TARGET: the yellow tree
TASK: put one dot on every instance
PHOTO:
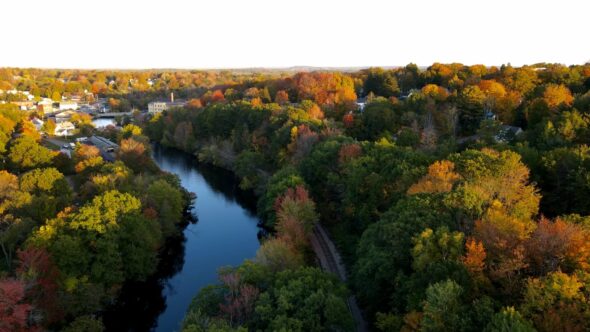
(440, 178)
(557, 95)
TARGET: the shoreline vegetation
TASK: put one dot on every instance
(456, 195)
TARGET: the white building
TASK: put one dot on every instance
(46, 106)
(65, 128)
(38, 124)
(64, 116)
(160, 106)
(68, 105)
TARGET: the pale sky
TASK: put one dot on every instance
(275, 33)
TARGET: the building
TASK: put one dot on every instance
(64, 116)
(107, 148)
(64, 129)
(38, 124)
(26, 94)
(45, 105)
(159, 106)
(24, 105)
(103, 143)
(507, 133)
(68, 105)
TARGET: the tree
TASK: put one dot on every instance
(135, 155)
(436, 246)
(87, 158)
(312, 109)
(25, 153)
(474, 259)
(557, 95)
(48, 180)
(6, 128)
(380, 82)
(37, 269)
(564, 172)
(440, 178)
(491, 176)
(504, 239)
(277, 185)
(349, 152)
(14, 311)
(168, 202)
(435, 92)
(509, 320)
(278, 255)
(27, 129)
(558, 245)
(56, 96)
(384, 252)
(239, 301)
(443, 307)
(217, 96)
(49, 127)
(471, 103)
(85, 324)
(296, 204)
(378, 119)
(556, 301)
(130, 130)
(305, 299)
(282, 97)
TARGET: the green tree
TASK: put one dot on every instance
(509, 320)
(382, 83)
(168, 202)
(27, 154)
(443, 307)
(436, 246)
(85, 324)
(306, 299)
(471, 104)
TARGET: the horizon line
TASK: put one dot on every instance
(278, 68)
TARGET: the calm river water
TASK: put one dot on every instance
(223, 231)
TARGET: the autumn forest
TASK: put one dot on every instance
(453, 197)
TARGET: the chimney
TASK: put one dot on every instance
(171, 97)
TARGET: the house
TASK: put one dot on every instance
(507, 133)
(46, 106)
(68, 105)
(24, 105)
(38, 124)
(26, 94)
(64, 129)
(64, 116)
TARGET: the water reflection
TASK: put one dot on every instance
(226, 233)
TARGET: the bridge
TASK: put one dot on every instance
(110, 114)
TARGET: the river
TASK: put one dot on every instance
(103, 122)
(223, 230)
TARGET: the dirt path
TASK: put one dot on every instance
(330, 261)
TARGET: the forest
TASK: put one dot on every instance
(458, 197)
(73, 230)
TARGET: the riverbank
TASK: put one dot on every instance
(224, 232)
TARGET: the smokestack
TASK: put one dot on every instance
(171, 97)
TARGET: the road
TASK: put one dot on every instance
(330, 261)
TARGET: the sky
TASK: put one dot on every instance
(284, 33)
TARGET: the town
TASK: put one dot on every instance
(80, 118)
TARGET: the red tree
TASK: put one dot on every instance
(13, 310)
(39, 272)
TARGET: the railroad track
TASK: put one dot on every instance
(329, 260)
